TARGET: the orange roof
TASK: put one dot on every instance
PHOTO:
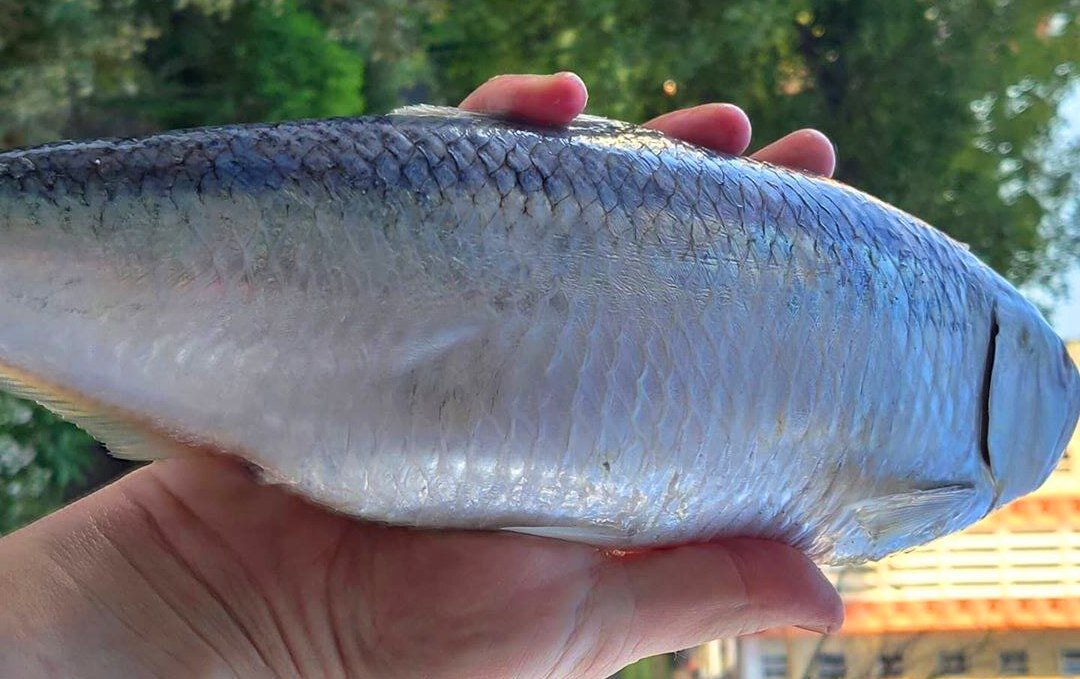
(958, 615)
(909, 617)
(1036, 512)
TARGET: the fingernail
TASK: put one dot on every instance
(573, 76)
(573, 101)
(823, 629)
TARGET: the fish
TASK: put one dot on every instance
(593, 332)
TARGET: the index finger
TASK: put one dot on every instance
(540, 99)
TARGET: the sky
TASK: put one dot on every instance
(1065, 313)
(1065, 316)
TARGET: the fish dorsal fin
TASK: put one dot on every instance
(581, 123)
(125, 434)
(598, 536)
(429, 111)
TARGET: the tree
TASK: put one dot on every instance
(77, 68)
(259, 62)
(942, 108)
(41, 459)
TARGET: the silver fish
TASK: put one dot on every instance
(594, 333)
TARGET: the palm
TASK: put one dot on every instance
(345, 597)
(386, 595)
(392, 601)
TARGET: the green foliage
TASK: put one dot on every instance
(76, 68)
(653, 667)
(942, 108)
(41, 458)
(257, 64)
(55, 55)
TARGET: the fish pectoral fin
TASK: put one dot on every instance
(598, 536)
(896, 517)
(124, 434)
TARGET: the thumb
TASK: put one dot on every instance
(689, 595)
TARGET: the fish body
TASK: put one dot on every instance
(446, 320)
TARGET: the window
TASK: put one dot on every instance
(774, 666)
(891, 664)
(1014, 663)
(1070, 662)
(831, 666)
(952, 662)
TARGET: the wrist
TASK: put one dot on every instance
(87, 594)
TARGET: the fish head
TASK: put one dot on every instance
(1033, 399)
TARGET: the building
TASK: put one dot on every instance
(1001, 598)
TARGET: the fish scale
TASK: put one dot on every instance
(446, 320)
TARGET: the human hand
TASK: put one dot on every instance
(557, 99)
(190, 567)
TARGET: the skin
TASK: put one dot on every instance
(187, 567)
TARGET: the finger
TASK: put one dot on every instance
(540, 99)
(689, 595)
(720, 127)
(805, 150)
